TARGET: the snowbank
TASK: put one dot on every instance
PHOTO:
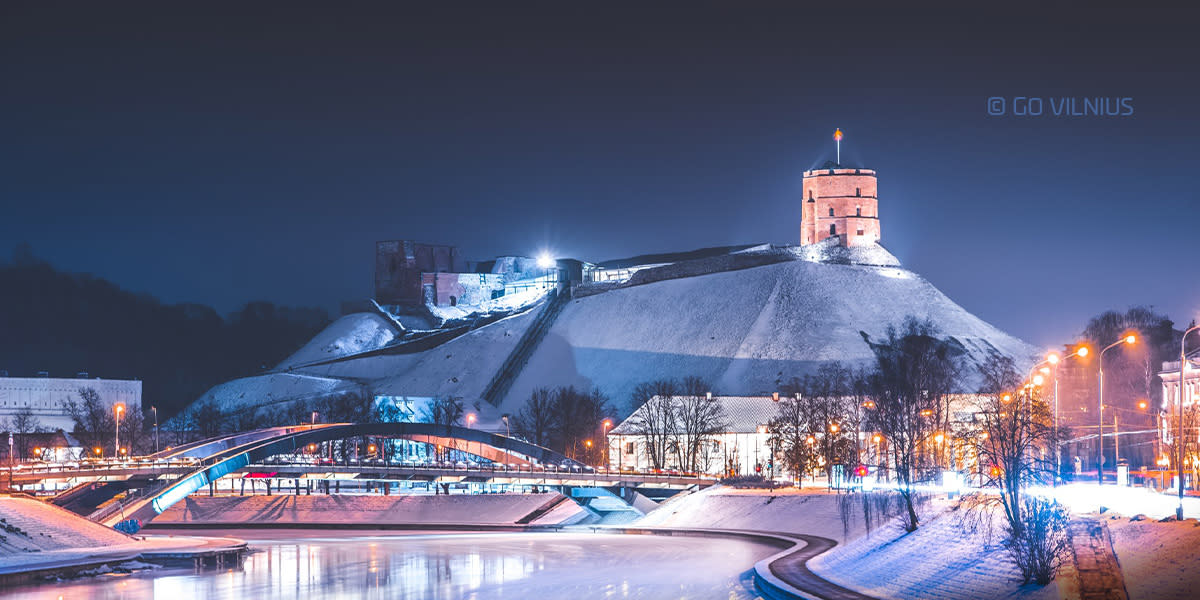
(1159, 560)
(941, 559)
(352, 333)
(788, 510)
(28, 525)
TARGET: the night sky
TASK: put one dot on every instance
(225, 153)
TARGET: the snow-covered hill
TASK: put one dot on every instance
(746, 324)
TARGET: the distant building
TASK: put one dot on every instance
(1191, 396)
(400, 266)
(842, 203)
(47, 397)
(742, 449)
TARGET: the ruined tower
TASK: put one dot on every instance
(842, 203)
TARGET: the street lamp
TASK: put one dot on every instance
(470, 422)
(1128, 339)
(118, 408)
(1053, 359)
(155, 409)
(1179, 440)
(605, 425)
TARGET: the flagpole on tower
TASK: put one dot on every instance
(837, 137)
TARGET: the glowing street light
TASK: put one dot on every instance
(118, 408)
(1128, 339)
(545, 261)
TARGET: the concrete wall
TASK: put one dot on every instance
(288, 509)
(46, 396)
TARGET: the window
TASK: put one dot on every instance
(628, 447)
(858, 211)
(453, 301)
(860, 232)
(831, 211)
(833, 229)
(810, 195)
(857, 191)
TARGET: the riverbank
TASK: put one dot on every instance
(41, 541)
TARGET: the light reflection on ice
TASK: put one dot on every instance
(539, 565)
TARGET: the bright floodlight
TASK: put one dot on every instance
(545, 261)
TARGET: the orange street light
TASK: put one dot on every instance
(96, 450)
(1082, 351)
(1128, 339)
(1142, 405)
(588, 443)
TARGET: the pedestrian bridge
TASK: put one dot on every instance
(201, 463)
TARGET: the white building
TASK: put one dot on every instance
(743, 449)
(1170, 387)
(47, 397)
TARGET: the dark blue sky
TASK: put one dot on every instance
(223, 153)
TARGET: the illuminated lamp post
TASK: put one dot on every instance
(1053, 359)
(1129, 339)
(1179, 440)
(470, 423)
(118, 408)
(604, 425)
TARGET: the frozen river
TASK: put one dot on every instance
(492, 565)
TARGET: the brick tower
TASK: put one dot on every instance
(842, 203)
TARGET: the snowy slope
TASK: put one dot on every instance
(352, 333)
(745, 331)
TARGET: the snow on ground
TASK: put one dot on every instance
(28, 525)
(507, 302)
(470, 509)
(1159, 560)
(942, 559)
(787, 510)
(352, 333)
(263, 390)
(746, 331)
(1128, 501)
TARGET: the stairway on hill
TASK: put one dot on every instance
(503, 380)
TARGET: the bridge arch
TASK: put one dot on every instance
(225, 455)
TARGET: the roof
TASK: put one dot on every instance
(743, 413)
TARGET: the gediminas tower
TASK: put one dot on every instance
(841, 203)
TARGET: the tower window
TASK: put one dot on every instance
(810, 195)
(833, 229)
(858, 211)
(857, 191)
(860, 232)
(831, 211)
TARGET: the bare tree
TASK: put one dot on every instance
(94, 420)
(445, 410)
(654, 418)
(699, 419)
(915, 372)
(790, 431)
(535, 421)
(24, 423)
(577, 418)
(208, 420)
(1013, 438)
